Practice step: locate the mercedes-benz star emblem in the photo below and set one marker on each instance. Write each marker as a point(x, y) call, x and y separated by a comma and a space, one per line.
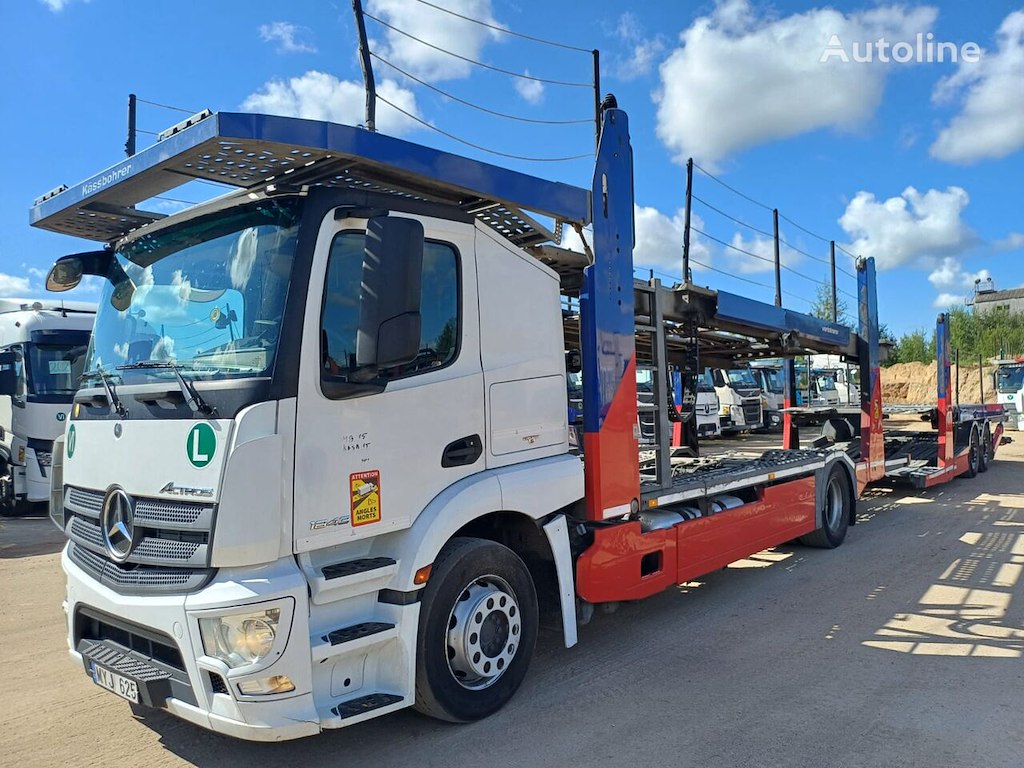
point(118, 522)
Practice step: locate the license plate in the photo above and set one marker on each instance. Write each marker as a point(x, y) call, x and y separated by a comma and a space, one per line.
point(122, 686)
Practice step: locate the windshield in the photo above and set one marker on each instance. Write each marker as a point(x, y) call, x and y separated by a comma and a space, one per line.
point(826, 381)
point(742, 377)
point(706, 382)
point(1010, 379)
point(772, 379)
point(208, 295)
point(54, 369)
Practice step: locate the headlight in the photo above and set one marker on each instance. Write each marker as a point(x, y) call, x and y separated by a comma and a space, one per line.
point(240, 639)
point(726, 410)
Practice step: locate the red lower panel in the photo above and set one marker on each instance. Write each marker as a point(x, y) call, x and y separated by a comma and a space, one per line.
point(785, 512)
point(953, 469)
point(625, 564)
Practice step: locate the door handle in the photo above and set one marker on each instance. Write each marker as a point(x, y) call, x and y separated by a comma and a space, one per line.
point(462, 452)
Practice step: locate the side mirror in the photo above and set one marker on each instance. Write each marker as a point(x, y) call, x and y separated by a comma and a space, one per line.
point(65, 274)
point(389, 311)
point(8, 374)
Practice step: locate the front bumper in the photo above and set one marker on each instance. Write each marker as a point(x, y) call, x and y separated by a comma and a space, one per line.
point(155, 641)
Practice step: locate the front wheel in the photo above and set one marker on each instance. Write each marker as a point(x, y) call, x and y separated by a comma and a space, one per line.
point(835, 513)
point(478, 628)
point(8, 504)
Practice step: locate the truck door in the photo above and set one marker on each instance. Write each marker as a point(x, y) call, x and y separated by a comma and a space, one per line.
point(368, 461)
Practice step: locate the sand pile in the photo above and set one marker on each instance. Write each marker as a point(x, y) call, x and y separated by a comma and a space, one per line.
point(915, 383)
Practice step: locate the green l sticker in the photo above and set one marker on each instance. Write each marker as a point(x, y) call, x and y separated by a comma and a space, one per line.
point(71, 441)
point(201, 444)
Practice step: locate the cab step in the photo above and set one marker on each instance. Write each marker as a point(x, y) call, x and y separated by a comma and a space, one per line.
point(361, 708)
point(353, 638)
point(338, 581)
point(354, 567)
point(365, 704)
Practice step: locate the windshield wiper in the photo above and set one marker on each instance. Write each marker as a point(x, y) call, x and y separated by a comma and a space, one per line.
point(108, 386)
point(193, 399)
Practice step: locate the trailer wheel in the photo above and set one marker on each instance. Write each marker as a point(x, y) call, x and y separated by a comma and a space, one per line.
point(986, 449)
point(973, 455)
point(478, 628)
point(835, 516)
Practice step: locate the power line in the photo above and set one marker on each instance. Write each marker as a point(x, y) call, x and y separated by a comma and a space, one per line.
point(732, 189)
point(729, 216)
point(453, 97)
point(167, 106)
point(496, 28)
point(474, 61)
point(453, 137)
point(174, 200)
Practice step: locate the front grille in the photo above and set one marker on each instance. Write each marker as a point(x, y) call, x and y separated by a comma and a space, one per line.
point(130, 578)
point(171, 552)
point(752, 413)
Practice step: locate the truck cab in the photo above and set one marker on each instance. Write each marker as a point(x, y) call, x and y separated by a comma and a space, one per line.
point(1009, 384)
point(739, 397)
point(709, 423)
point(769, 378)
point(42, 352)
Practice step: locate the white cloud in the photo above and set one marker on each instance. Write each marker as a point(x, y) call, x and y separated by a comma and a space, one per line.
point(740, 79)
point(909, 227)
point(950, 276)
point(440, 29)
point(289, 37)
point(320, 96)
point(1011, 242)
point(14, 285)
point(532, 91)
point(763, 250)
point(946, 300)
point(659, 242)
point(643, 50)
point(56, 5)
point(991, 122)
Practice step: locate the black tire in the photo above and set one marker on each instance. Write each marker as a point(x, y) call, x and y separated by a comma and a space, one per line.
point(466, 575)
point(835, 515)
point(8, 504)
point(973, 455)
point(986, 449)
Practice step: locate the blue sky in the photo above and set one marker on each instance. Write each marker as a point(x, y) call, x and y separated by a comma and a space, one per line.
point(916, 163)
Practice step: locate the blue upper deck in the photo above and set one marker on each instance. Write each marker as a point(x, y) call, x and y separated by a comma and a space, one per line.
point(250, 151)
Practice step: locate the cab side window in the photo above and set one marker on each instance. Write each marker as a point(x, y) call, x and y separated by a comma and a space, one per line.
point(339, 319)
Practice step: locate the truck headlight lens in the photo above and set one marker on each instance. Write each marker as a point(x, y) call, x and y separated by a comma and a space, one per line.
point(240, 639)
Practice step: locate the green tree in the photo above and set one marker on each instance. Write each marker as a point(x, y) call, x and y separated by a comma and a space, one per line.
point(915, 346)
point(822, 306)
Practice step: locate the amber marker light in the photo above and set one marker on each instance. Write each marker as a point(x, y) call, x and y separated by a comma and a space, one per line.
point(422, 574)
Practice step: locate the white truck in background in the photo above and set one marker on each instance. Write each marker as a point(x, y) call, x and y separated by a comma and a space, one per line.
point(846, 377)
point(769, 378)
point(42, 351)
point(1009, 384)
point(706, 410)
point(739, 399)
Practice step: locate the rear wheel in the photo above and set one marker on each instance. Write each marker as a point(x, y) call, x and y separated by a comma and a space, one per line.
point(835, 512)
point(986, 449)
point(478, 628)
point(973, 455)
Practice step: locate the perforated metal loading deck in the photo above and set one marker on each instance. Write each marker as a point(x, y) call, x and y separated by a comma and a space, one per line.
point(250, 151)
